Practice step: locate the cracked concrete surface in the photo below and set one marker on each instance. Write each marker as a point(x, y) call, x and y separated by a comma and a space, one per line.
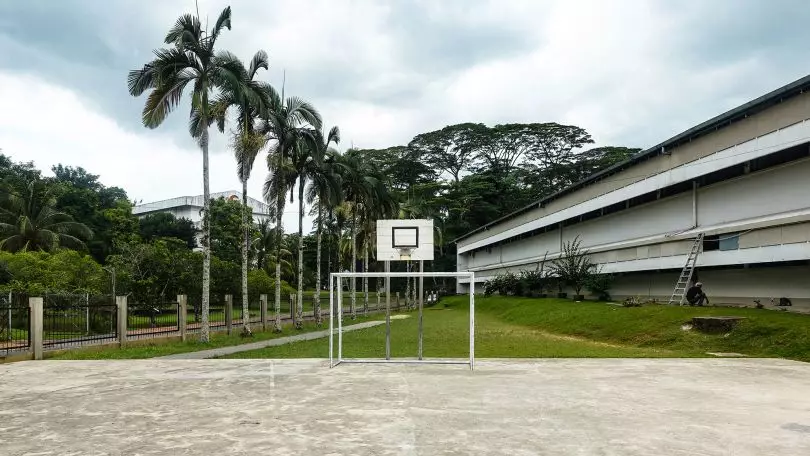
point(516, 407)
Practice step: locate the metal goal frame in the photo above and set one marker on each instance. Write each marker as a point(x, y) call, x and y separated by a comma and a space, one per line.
point(336, 306)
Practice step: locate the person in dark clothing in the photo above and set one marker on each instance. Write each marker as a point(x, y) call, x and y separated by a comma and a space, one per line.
point(695, 295)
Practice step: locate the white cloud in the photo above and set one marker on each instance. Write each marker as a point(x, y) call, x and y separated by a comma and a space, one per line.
point(50, 125)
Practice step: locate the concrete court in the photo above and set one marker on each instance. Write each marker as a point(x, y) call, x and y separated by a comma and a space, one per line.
point(300, 407)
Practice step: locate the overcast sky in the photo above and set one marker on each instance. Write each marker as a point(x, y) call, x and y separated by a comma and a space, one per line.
point(632, 73)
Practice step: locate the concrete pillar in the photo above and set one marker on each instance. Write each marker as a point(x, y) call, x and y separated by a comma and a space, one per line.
point(121, 303)
point(263, 310)
point(378, 300)
point(182, 311)
point(35, 322)
point(397, 301)
point(228, 313)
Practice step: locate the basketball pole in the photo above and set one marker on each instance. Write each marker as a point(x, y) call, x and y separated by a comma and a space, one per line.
point(387, 312)
point(421, 303)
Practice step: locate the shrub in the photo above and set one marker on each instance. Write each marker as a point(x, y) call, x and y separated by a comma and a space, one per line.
point(599, 285)
point(64, 271)
point(574, 267)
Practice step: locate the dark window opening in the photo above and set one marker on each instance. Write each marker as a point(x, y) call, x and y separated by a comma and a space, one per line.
point(711, 243)
point(676, 189)
point(781, 157)
point(643, 199)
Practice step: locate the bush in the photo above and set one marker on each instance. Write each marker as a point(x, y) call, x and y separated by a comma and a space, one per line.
point(574, 267)
point(64, 271)
point(503, 284)
point(599, 285)
point(259, 282)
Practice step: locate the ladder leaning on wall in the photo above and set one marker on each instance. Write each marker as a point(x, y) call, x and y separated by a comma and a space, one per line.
point(688, 270)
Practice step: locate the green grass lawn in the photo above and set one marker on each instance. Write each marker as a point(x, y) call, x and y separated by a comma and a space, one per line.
point(524, 327)
point(150, 348)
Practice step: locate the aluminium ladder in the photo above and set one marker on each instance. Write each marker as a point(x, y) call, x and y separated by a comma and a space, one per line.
point(688, 270)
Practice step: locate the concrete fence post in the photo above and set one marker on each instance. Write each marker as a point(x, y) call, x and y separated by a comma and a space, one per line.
point(397, 302)
point(378, 300)
point(291, 299)
point(36, 323)
point(182, 312)
point(263, 310)
point(121, 304)
point(228, 313)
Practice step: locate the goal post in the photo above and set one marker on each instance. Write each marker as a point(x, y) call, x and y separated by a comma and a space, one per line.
point(336, 310)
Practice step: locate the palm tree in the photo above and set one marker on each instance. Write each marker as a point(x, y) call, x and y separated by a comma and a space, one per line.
point(324, 190)
point(31, 222)
point(287, 125)
point(191, 60)
point(363, 188)
point(250, 99)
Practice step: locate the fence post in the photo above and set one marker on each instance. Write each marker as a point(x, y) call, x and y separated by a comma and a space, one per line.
point(378, 300)
point(121, 303)
point(228, 313)
point(263, 310)
point(292, 308)
point(182, 312)
point(36, 322)
point(397, 304)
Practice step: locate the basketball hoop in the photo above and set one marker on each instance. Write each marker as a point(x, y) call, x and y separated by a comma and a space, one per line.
point(404, 253)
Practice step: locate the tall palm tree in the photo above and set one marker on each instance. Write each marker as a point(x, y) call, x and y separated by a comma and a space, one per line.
point(31, 222)
point(250, 99)
point(323, 191)
point(287, 125)
point(363, 188)
point(191, 60)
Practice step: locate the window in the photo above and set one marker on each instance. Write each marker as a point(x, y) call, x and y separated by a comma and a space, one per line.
point(729, 241)
point(711, 243)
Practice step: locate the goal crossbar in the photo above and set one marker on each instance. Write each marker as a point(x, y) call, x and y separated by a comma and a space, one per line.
point(336, 307)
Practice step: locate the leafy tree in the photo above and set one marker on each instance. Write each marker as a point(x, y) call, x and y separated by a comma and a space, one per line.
point(5, 273)
point(226, 229)
point(63, 271)
point(15, 177)
point(453, 149)
point(31, 222)
point(166, 225)
point(80, 195)
point(191, 59)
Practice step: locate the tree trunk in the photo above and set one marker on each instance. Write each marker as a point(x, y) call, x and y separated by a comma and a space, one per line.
point(365, 279)
point(245, 248)
point(206, 240)
point(353, 309)
point(279, 234)
point(316, 298)
point(299, 303)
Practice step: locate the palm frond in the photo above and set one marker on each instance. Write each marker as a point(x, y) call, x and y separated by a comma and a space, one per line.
point(259, 60)
point(224, 20)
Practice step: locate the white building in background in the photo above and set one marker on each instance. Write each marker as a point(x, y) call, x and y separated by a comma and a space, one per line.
point(741, 178)
point(190, 206)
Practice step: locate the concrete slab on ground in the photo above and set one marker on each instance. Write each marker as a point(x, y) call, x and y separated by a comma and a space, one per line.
point(555, 407)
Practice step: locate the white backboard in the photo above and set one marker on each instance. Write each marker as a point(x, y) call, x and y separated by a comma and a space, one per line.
point(400, 240)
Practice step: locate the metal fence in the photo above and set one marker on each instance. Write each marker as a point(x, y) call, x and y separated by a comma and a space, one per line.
point(74, 320)
point(15, 320)
point(153, 319)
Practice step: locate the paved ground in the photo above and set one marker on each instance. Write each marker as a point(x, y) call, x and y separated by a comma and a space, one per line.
point(223, 351)
point(554, 407)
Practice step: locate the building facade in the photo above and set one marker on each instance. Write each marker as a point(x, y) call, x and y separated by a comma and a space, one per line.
point(741, 178)
point(190, 207)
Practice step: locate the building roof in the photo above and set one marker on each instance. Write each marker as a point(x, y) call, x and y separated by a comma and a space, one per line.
point(715, 123)
point(197, 201)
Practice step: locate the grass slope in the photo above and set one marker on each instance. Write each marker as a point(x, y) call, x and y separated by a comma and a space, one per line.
point(523, 327)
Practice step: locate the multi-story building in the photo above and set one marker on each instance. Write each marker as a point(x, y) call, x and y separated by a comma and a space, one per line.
point(741, 178)
point(190, 206)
